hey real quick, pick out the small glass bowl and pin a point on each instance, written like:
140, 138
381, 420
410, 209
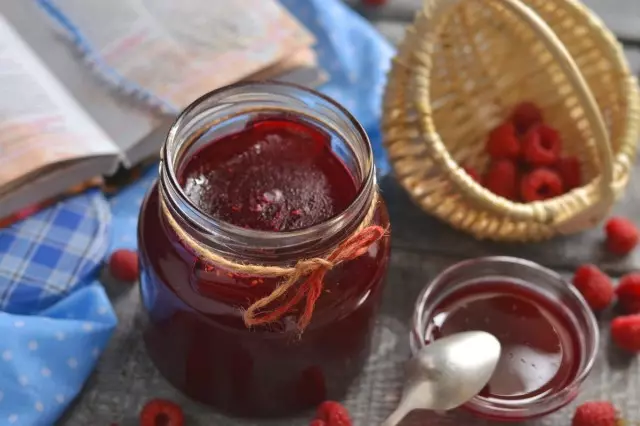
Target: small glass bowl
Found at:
537, 278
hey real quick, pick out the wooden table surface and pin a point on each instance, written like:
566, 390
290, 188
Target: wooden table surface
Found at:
422, 247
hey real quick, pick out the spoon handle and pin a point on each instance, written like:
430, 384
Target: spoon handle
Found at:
416, 396
396, 417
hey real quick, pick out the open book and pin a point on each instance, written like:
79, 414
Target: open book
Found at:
61, 125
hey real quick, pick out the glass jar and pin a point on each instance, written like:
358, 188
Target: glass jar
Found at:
195, 334
525, 306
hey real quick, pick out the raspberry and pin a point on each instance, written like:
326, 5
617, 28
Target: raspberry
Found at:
318, 422
541, 184
625, 332
161, 412
526, 115
123, 265
569, 170
502, 179
333, 414
595, 413
594, 285
622, 235
541, 146
473, 173
503, 142
628, 292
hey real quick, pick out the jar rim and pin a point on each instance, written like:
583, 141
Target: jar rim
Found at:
201, 222
547, 403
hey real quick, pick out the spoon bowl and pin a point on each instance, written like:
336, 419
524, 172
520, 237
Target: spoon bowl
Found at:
447, 373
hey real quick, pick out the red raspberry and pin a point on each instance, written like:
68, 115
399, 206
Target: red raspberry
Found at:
595, 413
541, 146
569, 170
628, 292
333, 414
473, 173
625, 332
123, 265
502, 179
622, 235
161, 412
526, 115
594, 285
318, 422
503, 142
541, 184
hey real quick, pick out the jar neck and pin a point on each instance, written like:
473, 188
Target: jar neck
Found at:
225, 111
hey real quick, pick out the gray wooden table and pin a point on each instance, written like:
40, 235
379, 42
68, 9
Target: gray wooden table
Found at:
125, 378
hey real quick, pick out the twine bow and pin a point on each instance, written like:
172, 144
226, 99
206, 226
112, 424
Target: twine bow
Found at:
311, 271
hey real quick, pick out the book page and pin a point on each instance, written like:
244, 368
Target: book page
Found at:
175, 51
40, 123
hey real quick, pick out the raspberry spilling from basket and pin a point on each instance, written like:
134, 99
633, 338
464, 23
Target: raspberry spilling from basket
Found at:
526, 159
598, 291
594, 285
622, 235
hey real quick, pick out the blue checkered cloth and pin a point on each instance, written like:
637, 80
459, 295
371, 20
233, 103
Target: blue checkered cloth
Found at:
47, 256
57, 318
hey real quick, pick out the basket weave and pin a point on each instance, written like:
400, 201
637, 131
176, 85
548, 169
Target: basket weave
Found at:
462, 67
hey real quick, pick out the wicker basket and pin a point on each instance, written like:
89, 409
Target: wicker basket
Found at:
461, 68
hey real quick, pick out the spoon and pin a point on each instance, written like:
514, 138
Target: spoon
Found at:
447, 373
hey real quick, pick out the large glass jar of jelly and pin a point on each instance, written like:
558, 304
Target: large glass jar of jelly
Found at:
267, 175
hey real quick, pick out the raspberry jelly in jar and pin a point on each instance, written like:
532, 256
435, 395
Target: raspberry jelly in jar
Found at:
263, 250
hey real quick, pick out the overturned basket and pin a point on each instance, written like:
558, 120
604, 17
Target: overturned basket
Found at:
461, 68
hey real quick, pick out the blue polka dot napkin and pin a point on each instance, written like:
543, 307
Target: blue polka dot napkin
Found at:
55, 317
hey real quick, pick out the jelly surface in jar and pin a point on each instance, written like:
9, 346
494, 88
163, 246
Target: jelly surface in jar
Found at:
276, 175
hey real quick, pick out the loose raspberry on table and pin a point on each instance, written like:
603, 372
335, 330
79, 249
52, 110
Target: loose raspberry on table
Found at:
503, 142
625, 332
541, 184
123, 265
333, 414
628, 292
594, 285
161, 412
541, 146
569, 170
595, 413
622, 235
502, 179
526, 115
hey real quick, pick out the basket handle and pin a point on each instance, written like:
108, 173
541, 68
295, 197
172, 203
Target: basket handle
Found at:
555, 213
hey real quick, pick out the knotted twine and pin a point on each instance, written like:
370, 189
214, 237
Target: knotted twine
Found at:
312, 271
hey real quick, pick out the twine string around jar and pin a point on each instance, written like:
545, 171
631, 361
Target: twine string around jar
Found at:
313, 269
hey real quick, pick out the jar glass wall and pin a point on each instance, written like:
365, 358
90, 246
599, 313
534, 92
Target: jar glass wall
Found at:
196, 335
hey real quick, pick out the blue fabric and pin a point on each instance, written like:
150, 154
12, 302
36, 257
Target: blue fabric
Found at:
57, 318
